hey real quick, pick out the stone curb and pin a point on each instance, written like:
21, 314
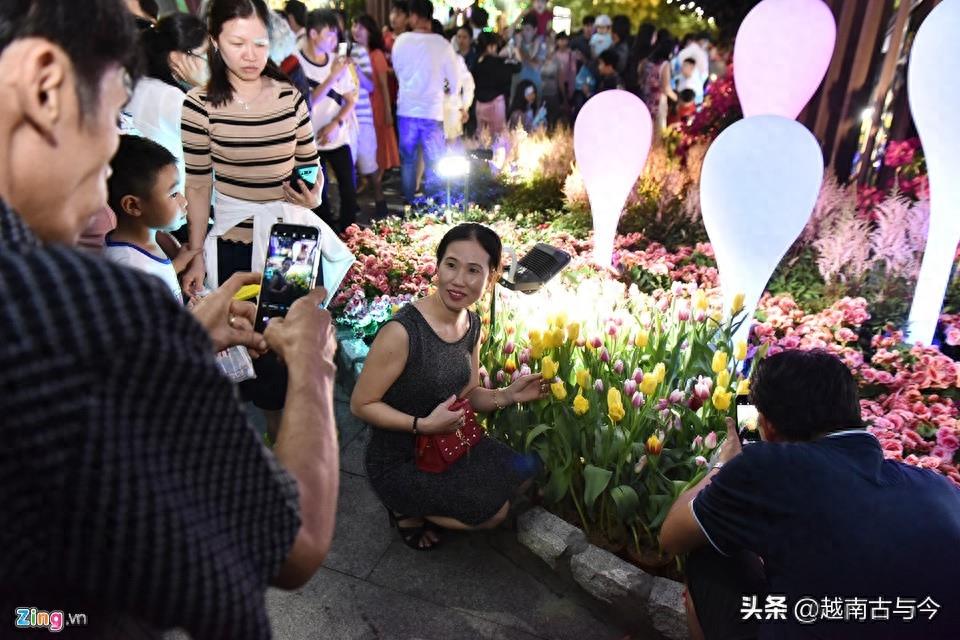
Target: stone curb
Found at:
633, 597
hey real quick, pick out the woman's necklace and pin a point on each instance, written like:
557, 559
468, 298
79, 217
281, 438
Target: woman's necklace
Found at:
243, 103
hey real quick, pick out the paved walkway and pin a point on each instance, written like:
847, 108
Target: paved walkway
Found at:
372, 586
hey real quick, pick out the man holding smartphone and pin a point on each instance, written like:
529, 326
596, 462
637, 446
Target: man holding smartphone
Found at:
131, 479
814, 514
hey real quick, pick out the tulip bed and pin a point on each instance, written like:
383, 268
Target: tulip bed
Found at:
641, 355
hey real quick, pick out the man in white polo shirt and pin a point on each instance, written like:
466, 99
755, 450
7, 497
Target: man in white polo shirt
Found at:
426, 68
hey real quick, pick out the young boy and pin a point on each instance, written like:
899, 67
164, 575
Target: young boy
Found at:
144, 192
690, 78
607, 71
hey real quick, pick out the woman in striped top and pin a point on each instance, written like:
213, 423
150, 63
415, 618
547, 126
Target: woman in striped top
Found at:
243, 134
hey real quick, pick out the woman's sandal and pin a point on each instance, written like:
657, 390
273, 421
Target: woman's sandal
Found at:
412, 536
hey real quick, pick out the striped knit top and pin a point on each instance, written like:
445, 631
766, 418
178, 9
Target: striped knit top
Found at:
250, 153
362, 60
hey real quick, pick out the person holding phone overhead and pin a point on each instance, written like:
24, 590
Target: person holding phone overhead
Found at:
333, 100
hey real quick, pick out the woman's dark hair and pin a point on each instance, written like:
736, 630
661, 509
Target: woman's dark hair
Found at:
219, 89
466, 29
108, 37
529, 20
485, 236
135, 166
662, 51
320, 18
519, 98
621, 28
375, 36
176, 32
805, 394
643, 45
485, 40
297, 10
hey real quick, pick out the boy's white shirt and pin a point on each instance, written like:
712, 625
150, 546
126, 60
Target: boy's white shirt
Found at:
138, 258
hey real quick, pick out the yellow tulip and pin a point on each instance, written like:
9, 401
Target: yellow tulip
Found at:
654, 446
573, 331
580, 404
721, 399
615, 405
740, 351
642, 338
723, 379
535, 337
737, 305
719, 361
743, 387
560, 320
660, 371
700, 302
649, 384
583, 378
559, 390
510, 365
557, 337
548, 368
536, 351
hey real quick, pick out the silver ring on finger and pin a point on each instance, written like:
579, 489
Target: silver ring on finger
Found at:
231, 320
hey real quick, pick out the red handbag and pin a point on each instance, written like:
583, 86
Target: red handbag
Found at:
435, 453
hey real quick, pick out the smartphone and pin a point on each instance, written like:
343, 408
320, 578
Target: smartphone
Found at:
306, 173
747, 426
343, 49
291, 270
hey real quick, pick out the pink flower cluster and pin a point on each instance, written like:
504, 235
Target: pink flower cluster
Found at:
906, 389
654, 258
951, 328
900, 152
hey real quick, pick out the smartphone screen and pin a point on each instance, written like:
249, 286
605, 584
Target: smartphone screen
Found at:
343, 49
306, 173
292, 269
747, 426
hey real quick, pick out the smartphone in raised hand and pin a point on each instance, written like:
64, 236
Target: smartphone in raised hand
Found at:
291, 270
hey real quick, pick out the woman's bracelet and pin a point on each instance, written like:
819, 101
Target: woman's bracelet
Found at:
496, 399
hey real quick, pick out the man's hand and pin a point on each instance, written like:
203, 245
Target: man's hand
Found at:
325, 135
731, 447
191, 280
306, 334
230, 322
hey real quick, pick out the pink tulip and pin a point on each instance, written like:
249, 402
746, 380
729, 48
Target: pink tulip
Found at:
508, 348
697, 443
710, 442
694, 403
637, 400
612, 330
700, 317
629, 387
676, 396
598, 386
618, 367
638, 375
604, 355
524, 370
581, 342
701, 461
516, 376
501, 376
525, 356
487, 383
596, 342
683, 314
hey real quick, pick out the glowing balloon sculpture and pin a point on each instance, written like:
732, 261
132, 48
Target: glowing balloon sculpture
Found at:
759, 184
781, 54
933, 105
611, 140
